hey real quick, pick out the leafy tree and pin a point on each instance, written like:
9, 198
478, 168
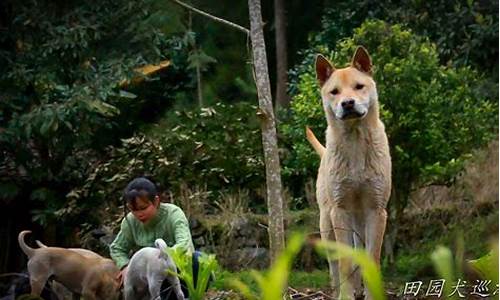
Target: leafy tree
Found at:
62, 96
465, 31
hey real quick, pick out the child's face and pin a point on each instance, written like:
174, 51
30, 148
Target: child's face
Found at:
144, 210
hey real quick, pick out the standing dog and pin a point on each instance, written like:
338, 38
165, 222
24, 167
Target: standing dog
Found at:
62, 292
91, 277
354, 177
147, 270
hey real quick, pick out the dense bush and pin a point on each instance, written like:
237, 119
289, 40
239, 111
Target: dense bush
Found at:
434, 114
218, 148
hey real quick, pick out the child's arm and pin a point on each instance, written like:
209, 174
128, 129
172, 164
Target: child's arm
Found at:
182, 233
121, 246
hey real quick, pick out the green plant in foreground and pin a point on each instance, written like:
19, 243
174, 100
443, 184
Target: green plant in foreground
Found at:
448, 269
372, 277
487, 265
272, 283
444, 265
184, 262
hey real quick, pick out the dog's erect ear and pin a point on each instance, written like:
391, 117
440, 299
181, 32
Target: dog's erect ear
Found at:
323, 69
362, 61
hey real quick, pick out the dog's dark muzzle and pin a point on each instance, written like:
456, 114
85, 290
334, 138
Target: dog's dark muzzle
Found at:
348, 110
351, 114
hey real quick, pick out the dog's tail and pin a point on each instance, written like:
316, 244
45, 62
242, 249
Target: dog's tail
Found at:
162, 246
40, 244
320, 149
26, 249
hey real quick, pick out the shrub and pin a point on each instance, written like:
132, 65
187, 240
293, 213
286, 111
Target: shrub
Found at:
213, 149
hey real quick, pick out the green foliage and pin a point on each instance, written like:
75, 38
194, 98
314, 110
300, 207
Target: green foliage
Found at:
465, 32
207, 267
217, 147
444, 265
62, 66
434, 115
487, 265
272, 284
465, 234
447, 268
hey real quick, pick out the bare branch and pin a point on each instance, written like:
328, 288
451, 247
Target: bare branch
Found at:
236, 26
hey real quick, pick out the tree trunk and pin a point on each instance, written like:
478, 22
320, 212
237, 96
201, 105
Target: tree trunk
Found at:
268, 125
198, 81
282, 98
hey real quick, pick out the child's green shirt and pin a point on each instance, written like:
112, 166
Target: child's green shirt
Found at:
170, 224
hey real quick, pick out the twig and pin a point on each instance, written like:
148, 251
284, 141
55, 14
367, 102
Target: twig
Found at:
236, 26
14, 274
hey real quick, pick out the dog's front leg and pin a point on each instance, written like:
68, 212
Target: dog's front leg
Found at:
376, 220
359, 243
328, 234
341, 220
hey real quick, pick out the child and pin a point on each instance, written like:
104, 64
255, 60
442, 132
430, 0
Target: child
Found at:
148, 220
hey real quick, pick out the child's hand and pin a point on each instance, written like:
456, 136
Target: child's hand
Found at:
121, 275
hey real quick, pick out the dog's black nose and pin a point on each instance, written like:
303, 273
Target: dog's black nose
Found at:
347, 104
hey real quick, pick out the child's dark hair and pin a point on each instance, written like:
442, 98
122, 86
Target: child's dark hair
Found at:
140, 187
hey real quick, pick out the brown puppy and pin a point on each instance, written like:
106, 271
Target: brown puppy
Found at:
354, 177
91, 277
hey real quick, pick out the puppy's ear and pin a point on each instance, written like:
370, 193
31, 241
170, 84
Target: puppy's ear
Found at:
324, 69
362, 61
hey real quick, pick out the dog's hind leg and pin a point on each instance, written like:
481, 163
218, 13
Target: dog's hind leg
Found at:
39, 274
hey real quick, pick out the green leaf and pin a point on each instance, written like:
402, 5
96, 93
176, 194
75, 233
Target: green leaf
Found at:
444, 265
103, 108
128, 95
487, 265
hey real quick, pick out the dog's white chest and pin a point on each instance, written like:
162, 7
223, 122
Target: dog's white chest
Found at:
355, 177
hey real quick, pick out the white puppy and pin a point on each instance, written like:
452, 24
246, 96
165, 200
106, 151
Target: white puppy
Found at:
147, 270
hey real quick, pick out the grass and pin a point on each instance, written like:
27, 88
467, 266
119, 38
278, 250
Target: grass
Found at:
317, 279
